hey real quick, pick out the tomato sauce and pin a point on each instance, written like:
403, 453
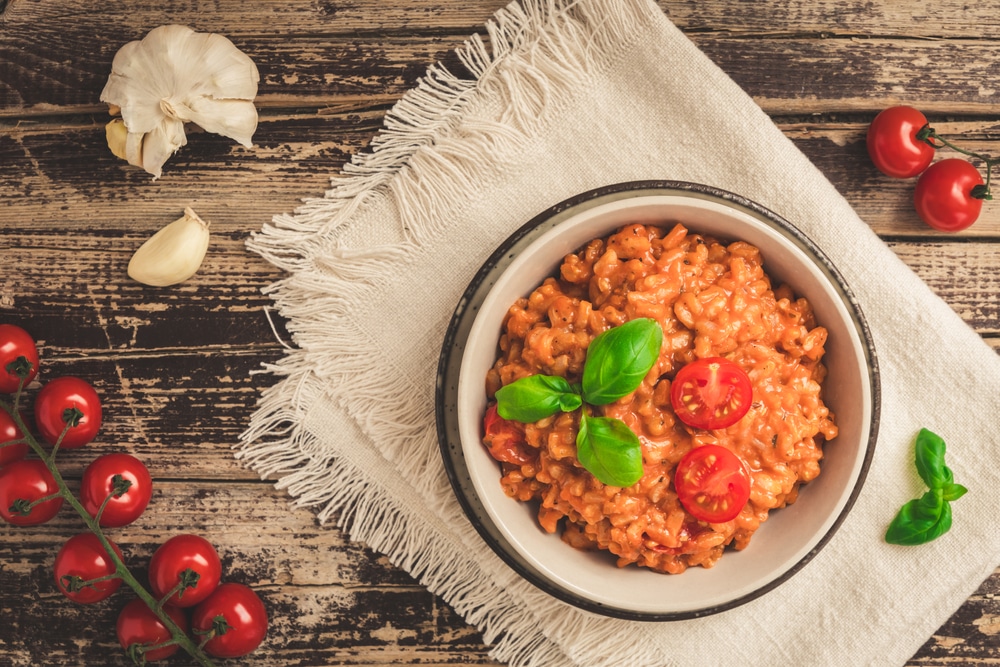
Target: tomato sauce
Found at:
711, 300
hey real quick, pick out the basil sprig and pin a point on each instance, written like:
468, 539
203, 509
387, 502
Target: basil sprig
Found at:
617, 361
928, 517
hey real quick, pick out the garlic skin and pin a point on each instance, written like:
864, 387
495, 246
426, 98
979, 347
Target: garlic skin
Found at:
173, 76
173, 254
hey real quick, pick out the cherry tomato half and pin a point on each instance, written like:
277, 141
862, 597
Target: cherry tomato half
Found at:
8, 433
893, 145
712, 484
56, 400
505, 439
83, 556
137, 624
15, 342
244, 614
943, 195
180, 553
711, 393
98, 483
28, 480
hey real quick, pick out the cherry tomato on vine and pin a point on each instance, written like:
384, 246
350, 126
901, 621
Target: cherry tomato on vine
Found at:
9, 432
178, 554
137, 624
15, 342
245, 619
84, 556
59, 399
27, 481
505, 439
711, 393
712, 483
893, 145
99, 482
944, 197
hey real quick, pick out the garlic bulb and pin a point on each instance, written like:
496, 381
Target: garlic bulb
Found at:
173, 254
173, 76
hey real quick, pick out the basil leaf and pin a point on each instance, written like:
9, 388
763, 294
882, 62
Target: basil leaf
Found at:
609, 450
953, 492
930, 459
920, 520
619, 358
536, 397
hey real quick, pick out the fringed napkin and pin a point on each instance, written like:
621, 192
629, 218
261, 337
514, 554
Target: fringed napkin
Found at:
566, 96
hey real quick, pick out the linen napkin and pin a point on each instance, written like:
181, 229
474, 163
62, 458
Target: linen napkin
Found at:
563, 96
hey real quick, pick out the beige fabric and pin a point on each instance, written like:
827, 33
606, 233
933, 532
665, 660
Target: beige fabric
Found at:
571, 96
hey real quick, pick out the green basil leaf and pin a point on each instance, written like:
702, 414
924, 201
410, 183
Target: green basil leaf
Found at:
609, 450
930, 459
953, 491
536, 397
919, 521
619, 358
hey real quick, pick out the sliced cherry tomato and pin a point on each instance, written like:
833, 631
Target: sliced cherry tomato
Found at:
9, 432
893, 145
15, 342
84, 557
24, 482
68, 398
138, 625
944, 196
99, 482
711, 393
238, 608
180, 553
712, 483
505, 439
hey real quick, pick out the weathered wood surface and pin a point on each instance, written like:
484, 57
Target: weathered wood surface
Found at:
176, 365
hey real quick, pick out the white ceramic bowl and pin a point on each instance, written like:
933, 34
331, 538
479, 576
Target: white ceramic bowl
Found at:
788, 539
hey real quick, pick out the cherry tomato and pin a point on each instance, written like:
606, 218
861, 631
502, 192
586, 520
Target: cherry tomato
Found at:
137, 624
244, 614
83, 556
15, 342
943, 196
28, 480
893, 145
712, 483
180, 553
98, 483
57, 400
505, 439
8, 433
711, 393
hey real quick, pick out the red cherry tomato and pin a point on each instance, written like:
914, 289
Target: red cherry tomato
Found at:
15, 342
137, 624
943, 196
98, 483
244, 614
8, 433
57, 400
505, 439
178, 554
711, 393
712, 484
28, 480
83, 556
893, 145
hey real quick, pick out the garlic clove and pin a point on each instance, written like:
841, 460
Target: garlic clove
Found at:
117, 136
173, 254
175, 75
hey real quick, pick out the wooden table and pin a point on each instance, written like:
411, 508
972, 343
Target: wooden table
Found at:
175, 366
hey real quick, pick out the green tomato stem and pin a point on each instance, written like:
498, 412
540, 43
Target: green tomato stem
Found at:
121, 570
928, 135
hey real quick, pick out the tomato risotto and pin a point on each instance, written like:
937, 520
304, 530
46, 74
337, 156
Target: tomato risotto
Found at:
712, 300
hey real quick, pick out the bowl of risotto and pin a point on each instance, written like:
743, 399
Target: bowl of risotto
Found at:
657, 400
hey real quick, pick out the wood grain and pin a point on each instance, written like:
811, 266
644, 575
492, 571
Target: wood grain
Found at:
178, 367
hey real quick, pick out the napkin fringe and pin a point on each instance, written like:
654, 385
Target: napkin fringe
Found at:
536, 53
